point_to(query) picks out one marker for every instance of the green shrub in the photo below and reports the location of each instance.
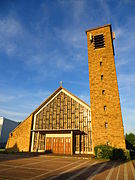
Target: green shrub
(99, 153)
(120, 154)
(103, 151)
(127, 154)
(108, 152)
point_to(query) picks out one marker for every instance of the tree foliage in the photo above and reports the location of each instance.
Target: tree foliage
(130, 138)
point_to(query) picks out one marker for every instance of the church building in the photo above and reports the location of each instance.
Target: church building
(61, 124)
(64, 124)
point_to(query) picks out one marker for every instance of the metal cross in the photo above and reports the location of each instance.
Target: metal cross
(61, 83)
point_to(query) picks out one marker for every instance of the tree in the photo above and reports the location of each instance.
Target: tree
(130, 138)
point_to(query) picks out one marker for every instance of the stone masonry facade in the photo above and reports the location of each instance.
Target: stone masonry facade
(106, 117)
(19, 139)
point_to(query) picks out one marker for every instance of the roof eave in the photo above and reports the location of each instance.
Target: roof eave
(97, 28)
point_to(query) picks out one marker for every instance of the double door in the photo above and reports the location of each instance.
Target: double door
(58, 145)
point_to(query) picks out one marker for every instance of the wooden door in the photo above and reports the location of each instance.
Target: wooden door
(58, 145)
(55, 145)
(67, 145)
(48, 144)
(61, 145)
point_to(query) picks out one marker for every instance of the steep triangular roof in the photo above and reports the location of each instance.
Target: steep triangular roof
(56, 92)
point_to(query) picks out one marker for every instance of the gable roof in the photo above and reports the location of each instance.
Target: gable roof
(56, 92)
(51, 97)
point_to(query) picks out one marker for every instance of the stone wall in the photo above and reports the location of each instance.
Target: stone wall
(19, 139)
(106, 118)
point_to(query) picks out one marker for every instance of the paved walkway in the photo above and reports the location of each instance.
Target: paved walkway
(15, 166)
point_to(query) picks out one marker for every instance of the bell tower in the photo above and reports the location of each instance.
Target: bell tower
(106, 117)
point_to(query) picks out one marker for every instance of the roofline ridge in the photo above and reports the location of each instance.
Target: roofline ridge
(97, 27)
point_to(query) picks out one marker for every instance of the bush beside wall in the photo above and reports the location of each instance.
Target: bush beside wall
(103, 151)
(108, 152)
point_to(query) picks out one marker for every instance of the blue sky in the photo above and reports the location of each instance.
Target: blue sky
(44, 42)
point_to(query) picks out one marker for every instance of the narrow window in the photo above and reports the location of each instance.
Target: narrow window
(101, 77)
(104, 108)
(100, 63)
(103, 92)
(106, 125)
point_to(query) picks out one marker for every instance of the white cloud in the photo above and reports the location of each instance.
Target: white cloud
(127, 80)
(6, 98)
(22, 94)
(9, 30)
(119, 32)
(19, 104)
(85, 98)
(106, 9)
(64, 65)
(125, 36)
(12, 114)
(129, 119)
(35, 60)
(33, 50)
(80, 83)
(10, 27)
(75, 8)
(78, 9)
(42, 94)
(71, 36)
(121, 62)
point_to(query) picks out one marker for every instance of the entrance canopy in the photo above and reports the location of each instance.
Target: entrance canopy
(59, 131)
(61, 141)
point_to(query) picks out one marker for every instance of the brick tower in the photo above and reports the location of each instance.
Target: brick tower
(107, 125)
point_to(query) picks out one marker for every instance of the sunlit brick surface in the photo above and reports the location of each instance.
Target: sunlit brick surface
(105, 107)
